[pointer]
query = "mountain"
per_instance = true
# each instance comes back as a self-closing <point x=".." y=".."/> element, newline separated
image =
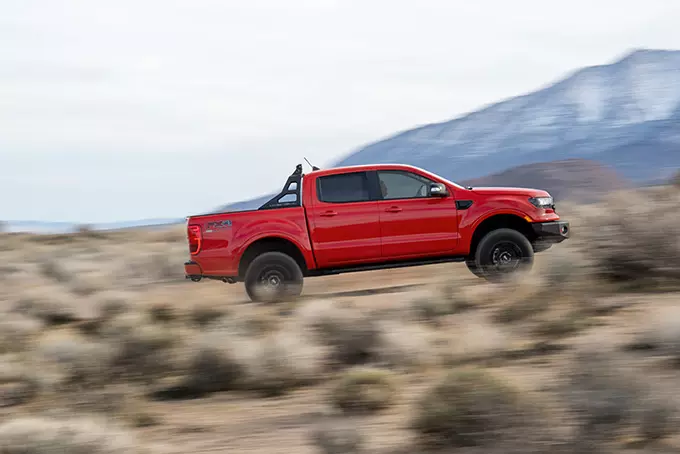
<point x="574" y="179"/>
<point x="625" y="114"/>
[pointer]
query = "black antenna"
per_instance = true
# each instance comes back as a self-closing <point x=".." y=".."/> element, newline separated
<point x="310" y="165"/>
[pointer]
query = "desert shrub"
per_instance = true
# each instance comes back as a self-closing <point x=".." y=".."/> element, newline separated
<point x="32" y="435"/>
<point x="364" y="390"/>
<point x="119" y="403"/>
<point x="404" y="346"/>
<point x="658" y="419"/>
<point x="219" y="362"/>
<point x="165" y="267"/>
<point x="52" y="311"/>
<point x="661" y="332"/>
<point x="250" y="322"/>
<point x="54" y="270"/>
<point x="520" y="310"/>
<point x="112" y="304"/>
<point x="78" y="362"/>
<point x="284" y="361"/>
<point x="561" y="325"/>
<point x="469" y="407"/>
<point x="437" y="302"/>
<point x="18" y="384"/>
<point x="337" y="436"/>
<point x="601" y="398"/>
<point x="17" y="333"/>
<point x="456" y="301"/>
<point x="472" y="338"/>
<point x="144" y="354"/>
<point x="85" y="287"/>
<point x="162" y="312"/>
<point x="523" y="298"/>
<point x="563" y="270"/>
<point x="429" y="309"/>
<point x="636" y="239"/>
<point x="123" y="325"/>
<point x="352" y="334"/>
<point x="606" y="401"/>
<point x="203" y="315"/>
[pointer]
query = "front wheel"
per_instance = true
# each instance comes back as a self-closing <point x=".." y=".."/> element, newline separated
<point x="503" y="253"/>
<point x="272" y="277"/>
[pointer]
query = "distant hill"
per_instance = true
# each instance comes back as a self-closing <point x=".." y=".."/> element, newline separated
<point x="68" y="227"/>
<point x="576" y="179"/>
<point x="625" y="114"/>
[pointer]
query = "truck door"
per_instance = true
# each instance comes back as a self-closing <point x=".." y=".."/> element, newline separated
<point x="414" y="224"/>
<point x="344" y="222"/>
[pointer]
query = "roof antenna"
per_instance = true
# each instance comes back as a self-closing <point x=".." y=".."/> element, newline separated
<point x="310" y="165"/>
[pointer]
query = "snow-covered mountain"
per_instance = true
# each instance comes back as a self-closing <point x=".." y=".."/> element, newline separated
<point x="625" y="114"/>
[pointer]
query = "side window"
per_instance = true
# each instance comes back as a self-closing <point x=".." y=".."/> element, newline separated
<point x="403" y="185"/>
<point x="343" y="188"/>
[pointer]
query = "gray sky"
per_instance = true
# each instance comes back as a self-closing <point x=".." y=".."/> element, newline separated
<point x="127" y="109"/>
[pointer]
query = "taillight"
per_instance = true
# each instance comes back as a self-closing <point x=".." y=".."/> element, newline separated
<point x="194" y="235"/>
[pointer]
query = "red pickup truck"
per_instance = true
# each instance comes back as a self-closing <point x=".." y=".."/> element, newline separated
<point x="370" y="217"/>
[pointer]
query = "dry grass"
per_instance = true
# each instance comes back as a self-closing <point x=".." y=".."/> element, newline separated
<point x="364" y="390"/>
<point x="17" y="333"/>
<point x="636" y="239"/>
<point x="406" y="347"/>
<point x="471" y="407"/>
<point x="65" y="436"/>
<point x="352" y="335"/>
<point x="660" y="332"/>
<point x="103" y="324"/>
<point x="284" y="361"/>
<point x="610" y="401"/>
<point x="337" y="436"/>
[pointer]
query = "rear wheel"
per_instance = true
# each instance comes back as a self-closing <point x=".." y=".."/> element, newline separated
<point x="273" y="276"/>
<point x="472" y="266"/>
<point x="502" y="253"/>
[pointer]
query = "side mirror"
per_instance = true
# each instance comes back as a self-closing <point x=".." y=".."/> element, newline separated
<point x="438" y="190"/>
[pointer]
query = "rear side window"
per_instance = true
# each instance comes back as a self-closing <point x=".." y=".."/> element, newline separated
<point x="343" y="188"/>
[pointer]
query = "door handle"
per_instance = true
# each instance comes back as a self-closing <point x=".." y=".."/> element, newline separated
<point x="329" y="213"/>
<point x="393" y="209"/>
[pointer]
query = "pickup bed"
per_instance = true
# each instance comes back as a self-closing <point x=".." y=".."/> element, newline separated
<point x="370" y="217"/>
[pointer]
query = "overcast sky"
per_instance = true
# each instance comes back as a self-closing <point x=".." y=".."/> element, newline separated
<point x="128" y="109"/>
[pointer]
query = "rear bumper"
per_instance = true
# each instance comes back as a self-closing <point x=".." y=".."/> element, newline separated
<point x="551" y="232"/>
<point x="192" y="270"/>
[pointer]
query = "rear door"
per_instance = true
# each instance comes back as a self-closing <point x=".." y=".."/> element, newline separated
<point x="345" y="227"/>
<point x="414" y="224"/>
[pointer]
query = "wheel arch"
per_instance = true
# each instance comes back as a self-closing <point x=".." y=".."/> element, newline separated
<point x="514" y="221"/>
<point x="271" y="244"/>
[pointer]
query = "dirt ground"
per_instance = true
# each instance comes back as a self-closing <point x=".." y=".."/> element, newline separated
<point x="58" y="297"/>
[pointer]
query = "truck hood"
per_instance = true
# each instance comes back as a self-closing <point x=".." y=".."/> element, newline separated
<point x="528" y="192"/>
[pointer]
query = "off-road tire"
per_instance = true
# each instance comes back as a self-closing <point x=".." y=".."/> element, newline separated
<point x="472" y="266"/>
<point x="266" y="270"/>
<point x="495" y="247"/>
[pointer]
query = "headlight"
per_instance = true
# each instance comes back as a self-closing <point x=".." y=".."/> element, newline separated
<point x="542" y="202"/>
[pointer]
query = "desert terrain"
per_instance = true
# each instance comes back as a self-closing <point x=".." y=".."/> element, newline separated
<point x="105" y="348"/>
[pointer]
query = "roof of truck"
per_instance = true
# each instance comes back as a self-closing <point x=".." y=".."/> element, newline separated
<point x="363" y="168"/>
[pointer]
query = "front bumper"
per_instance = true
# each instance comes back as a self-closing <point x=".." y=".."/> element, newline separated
<point x="551" y="232"/>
